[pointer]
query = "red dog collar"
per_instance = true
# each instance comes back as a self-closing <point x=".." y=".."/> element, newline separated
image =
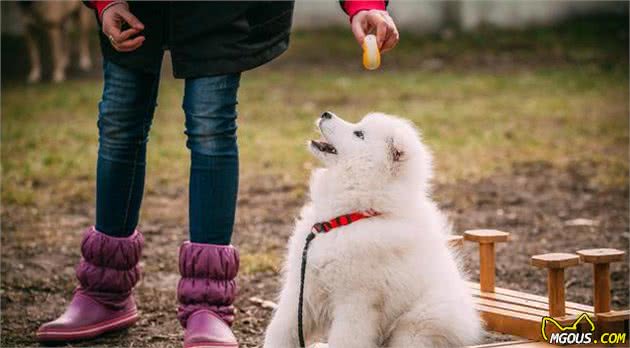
<point x="342" y="220"/>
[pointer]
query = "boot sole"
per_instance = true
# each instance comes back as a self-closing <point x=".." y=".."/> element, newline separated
<point x="90" y="331"/>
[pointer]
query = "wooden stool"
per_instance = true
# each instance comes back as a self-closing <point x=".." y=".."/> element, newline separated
<point x="608" y="320"/>
<point x="601" y="259"/>
<point x="486" y="240"/>
<point x="555" y="264"/>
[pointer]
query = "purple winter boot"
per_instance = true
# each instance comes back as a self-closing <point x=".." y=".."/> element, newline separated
<point x="206" y="292"/>
<point x="103" y="302"/>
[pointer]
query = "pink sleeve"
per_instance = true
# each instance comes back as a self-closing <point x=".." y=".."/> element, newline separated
<point x="352" y="7"/>
<point x="99" y="5"/>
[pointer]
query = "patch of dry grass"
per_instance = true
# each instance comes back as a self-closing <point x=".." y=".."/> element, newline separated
<point x="252" y="263"/>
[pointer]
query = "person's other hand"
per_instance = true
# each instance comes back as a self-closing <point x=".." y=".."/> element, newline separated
<point x="369" y="21"/>
<point x="114" y="19"/>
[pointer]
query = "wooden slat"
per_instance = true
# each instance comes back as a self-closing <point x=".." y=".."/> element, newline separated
<point x="512" y="307"/>
<point x="509" y="322"/>
<point x="522" y="295"/>
<point x="499" y="298"/>
<point x="515" y="323"/>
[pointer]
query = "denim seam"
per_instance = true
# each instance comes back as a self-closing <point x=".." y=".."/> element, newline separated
<point x="135" y="160"/>
<point x="133" y="179"/>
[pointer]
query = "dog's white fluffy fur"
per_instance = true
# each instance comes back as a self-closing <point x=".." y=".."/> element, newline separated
<point x="385" y="281"/>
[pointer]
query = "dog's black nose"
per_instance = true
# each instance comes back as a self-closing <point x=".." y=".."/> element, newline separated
<point x="327" y="115"/>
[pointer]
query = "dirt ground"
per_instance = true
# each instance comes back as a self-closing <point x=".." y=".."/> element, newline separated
<point x="534" y="202"/>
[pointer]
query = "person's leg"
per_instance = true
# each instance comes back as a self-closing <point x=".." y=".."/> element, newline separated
<point x="208" y="264"/>
<point x="110" y="251"/>
<point x="125" y="116"/>
<point x="210" y="107"/>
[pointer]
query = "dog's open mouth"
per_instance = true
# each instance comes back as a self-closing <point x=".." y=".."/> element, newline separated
<point x="323" y="146"/>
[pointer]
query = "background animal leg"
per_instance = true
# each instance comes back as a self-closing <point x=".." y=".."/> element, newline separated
<point x="35" y="73"/>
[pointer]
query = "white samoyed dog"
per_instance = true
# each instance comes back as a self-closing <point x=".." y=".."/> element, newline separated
<point x="384" y="281"/>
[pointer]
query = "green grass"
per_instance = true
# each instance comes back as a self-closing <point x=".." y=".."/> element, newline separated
<point x="252" y="263"/>
<point x="478" y="120"/>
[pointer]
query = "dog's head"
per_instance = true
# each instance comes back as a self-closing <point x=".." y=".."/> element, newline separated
<point x="379" y="154"/>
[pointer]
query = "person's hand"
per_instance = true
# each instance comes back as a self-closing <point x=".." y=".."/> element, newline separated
<point x="369" y="21"/>
<point x="114" y="18"/>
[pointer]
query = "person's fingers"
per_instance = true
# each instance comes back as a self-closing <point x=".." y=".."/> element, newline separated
<point x="391" y="42"/>
<point x="392" y="38"/>
<point x="132" y="20"/>
<point x="111" y="29"/>
<point x="377" y="21"/>
<point x="126" y="49"/>
<point x="129" y="45"/>
<point x="382" y="33"/>
<point x="358" y="29"/>
<point x="126" y="34"/>
<point x="123" y="40"/>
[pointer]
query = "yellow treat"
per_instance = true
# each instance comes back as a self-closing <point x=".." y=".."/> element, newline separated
<point x="371" y="55"/>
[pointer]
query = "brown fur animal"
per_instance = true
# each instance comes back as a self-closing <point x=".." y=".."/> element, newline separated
<point x="55" y="17"/>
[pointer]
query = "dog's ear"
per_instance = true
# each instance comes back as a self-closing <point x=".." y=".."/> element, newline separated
<point x="397" y="155"/>
<point x="396" y="150"/>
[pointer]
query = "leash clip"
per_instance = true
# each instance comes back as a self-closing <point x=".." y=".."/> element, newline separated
<point x="317" y="228"/>
<point x="321" y="227"/>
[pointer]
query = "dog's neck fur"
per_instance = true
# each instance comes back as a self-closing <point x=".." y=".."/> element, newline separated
<point x="334" y="193"/>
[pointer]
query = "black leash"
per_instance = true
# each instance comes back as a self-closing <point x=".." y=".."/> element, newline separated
<point x="309" y="238"/>
<point x="322" y="227"/>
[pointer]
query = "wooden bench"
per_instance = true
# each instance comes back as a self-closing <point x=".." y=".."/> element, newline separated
<point x="519" y="313"/>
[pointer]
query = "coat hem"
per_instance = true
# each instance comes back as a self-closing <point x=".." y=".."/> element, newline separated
<point x="208" y="67"/>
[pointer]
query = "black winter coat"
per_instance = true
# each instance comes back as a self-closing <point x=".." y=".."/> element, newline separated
<point x="206" y="38"/>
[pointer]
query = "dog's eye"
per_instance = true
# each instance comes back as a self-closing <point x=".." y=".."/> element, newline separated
<point x="359" y="134"/>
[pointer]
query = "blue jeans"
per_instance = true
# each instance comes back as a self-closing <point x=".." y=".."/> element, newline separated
<point x="125" y="117"/>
